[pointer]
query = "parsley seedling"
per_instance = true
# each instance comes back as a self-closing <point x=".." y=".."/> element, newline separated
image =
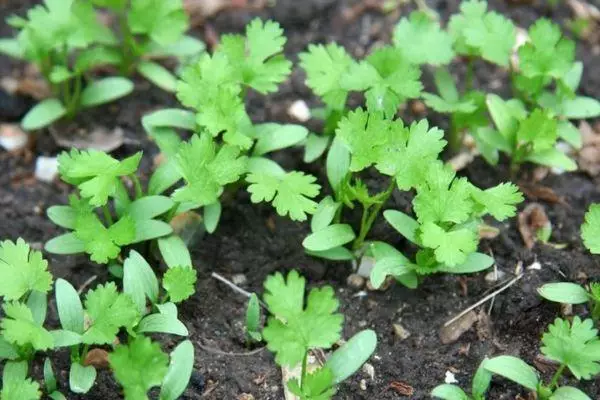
<point x="62" y="39"/>
<point x="298" y="325"/>
<point x="479" y="386"/>
<point x="16" y="384"/>
<point x="227" y="148"/>
<point x="572" y="344"/>
<point x="125" y="221"/>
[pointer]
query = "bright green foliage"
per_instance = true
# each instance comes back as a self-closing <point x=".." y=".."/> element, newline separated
<point x="291" y="193"/>
<point x="206" y="171"/>
<point x="539" y="129"/>
<point x="480" y="33"/>
<point x="590" y="230"/>
<point x="179" y="282"/>
<point x="108" y="311"/>
<point x="101" y="243"/>
<point x="387" y="78"/>
<point x="498" y="201"/>
<point x="449" y="100"/>
<point x="257" y="58"/>
<point x="139" y="366"/>
<point x="22" y="270"/>
<point x="325" y="66"/>
<point x="95" y="172"/>
<point x="422" y="41"/>
<point x="18" y="327"/>
<point x="318" y="385"/>
<point x="575" y="345"/>
<point x="163" y="21"/>
<point x="16" y="385"/>
<point x="548" y="53"/>
<point x="294" y="329"/>
<point x="451" y="247"/>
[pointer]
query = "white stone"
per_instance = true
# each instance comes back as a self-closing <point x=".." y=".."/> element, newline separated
<point x="449" y="379"/>
<point x="12" y="137"/>
<point x="299" y="111"/>
<point x="46" y="168"/>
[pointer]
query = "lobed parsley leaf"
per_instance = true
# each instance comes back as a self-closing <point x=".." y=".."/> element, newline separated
<point x="590" y="230"/>
<point x="163" y="21"/>
<point x="179" y="282"/>
<point x="318" y="385"/>
<point x="22" y="270"/>
<point x="450" y="247"/>
<point x="19" y="327"/>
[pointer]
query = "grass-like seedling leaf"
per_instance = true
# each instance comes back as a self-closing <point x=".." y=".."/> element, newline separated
<point x="43" y="114"/>
<point x="564" y="292"/>
<point x="81" y="378"/>
<point x="514" y="369"/>
<point x="253" y="319"/>
<point x="179" y="372"/>
<point x="349" y="358"/>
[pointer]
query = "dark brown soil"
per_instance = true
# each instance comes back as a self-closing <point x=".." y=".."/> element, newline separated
<point x="252" y="240"/>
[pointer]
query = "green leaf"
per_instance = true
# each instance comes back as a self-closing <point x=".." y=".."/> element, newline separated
<point x="539" y="129"/>
<point x="350" y="357"/>
<point x="11" y="48"/>
<point x="449" y="392"/>
<point x="16" y="385"/>
<point x="422" y="41"/>
<point x="105" y="90"/>
<point x="317" y="385"/>
<point x="404" y="224"/>
<point x="502" y="116"/>
<point x="149" y="229"/>
<point x="337" y="164"/>
<point x="149" y="207"/>
<point x="19" y="328"/>
<point x="172" y="118"/>
<point x="569" y="393"/>
<point x="164" y="22"/>
<point x="180" y="370"/>
<point x="475" y="262"/>
<point x="23" y="270"/>
<point x="158" y="75"/>
<point x="179" y="282"/>
<point x="580" y="108"/>
<point x="389" y="261"/>
<point x="499" y="201"/>
<point x="590" y="230"/>
<point x="570" y="134"/>
<point x="67" y="243"/>
<point x="174" y="251"/>
<point x="451" y="247"/>
<point x="553" y="158"/>
<point x="43" y="114"/>
<point x="262" y="165"/>
<point x="139" y="366"/>
<point x="63" y="216"/>
<point x="294" y="329"/>
<point x="186" y="46"/>
<point x="253" y="318"/>
<point x="325" y="66"/>
<point x="49" y="377"/>
<point x="37" y="302"/>
<point x="324" y="214"/>
<point x="108" y="311"/>
<point x="273" y="137"/>
<point x="206" y="171"/>
<point x="81" y="379"/>
<point x="291" y="194"/>
<point x="64" y="338"/>
<point x="339" y="253"/>
<point x="481" y="381"/>
<point x="162" y="323"/>
<point x="212" y="215"/>
<point x="7" y="350"/>
<point x="314" y="147"/>
<point x="513" y="369"/>
<point x="575" y="344"/>
<point x="329" y="237"/>
<point x="564" y="292"/>
<point x="139" y="281"/>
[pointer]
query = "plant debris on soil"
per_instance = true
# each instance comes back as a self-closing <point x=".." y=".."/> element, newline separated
<point x="252" y="241"/>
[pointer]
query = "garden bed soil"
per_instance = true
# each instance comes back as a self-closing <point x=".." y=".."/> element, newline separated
<point x="252" y="240"/>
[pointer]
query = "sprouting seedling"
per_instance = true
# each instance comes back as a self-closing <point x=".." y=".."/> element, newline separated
<point x="572" y="293"/>
<point x="124" y="220"/>
<point x="228" y="150"/>
<point x="16" y="384"/>
<point x="253" y="319"/>
<point x="52" y="35"/>
<point x="297" y="325"/>
<point x="573" y="345"/>
<point x="139" y="309"/>
<point x="479" y="386"/>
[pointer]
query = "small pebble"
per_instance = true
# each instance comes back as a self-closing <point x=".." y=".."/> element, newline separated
<point x="366" y="266"/>
<point x="494" y="276"/>
<point x="355" y="281"/>
<point x="450" y="378"/>
<point x="363" y="384"/>
<point x="299" y="111"/>
<point x="369" y="370"/>
<point x="12" y="137"/>
<point x="245" y="396"/>
<point x="401" y="332"/>
<point x="239" y="279"/>
<point x="46" y="169"/>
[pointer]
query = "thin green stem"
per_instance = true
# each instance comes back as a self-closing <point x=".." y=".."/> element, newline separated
<point x="470" y="75"/>
<point x="127" y="44"/>
<point x="139" y="193"/>
<point x="107" y="216"/>
<point x="368" y="219"/>
<point x="304" y="368"/>
<point x="556" y="377"/>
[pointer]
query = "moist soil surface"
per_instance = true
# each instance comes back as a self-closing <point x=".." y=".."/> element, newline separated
<point x="253" y="241"/>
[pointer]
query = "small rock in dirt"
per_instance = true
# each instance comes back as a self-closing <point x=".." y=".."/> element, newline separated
<point x="363" y="384"/>
<point x="239" y="279"/>
<point x="366" y="266"/>
<point x="299" y="111"/>
<point x="46" y="168"/>
<point x="97" y="137"/>
<point x="494" y="276"/>
<point x="12" y="137"/>
<point x="451" y="333"/>
<point x="535" y="266"/>
<point x="245" y="396"/>
<point x="450" y="378"/>
<point x="362" y="323"/>
<point x="369" y="370"/>
<point x="566" y="310"/>
<point x="355" y="281"/>
<point x="384" y="286"/>
<point x="401" y="332"/>
<point x="97" y="358"/>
